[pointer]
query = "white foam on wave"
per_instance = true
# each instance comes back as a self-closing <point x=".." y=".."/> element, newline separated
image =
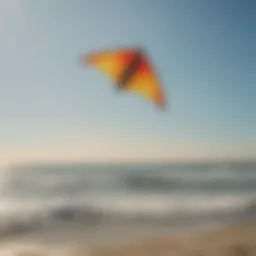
<point x="169" y="205"/>
<point x="125" y="205"/>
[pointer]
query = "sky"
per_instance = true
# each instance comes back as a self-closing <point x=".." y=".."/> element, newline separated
<point x="52" y="109"/>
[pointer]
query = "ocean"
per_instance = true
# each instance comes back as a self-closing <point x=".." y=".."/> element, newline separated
<point x="101" y="203"/>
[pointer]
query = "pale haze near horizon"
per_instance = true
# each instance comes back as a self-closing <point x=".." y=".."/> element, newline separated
<point x="54" y="110"/>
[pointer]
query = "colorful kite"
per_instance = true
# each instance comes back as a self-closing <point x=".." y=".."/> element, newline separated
<point x="131" y="70"/>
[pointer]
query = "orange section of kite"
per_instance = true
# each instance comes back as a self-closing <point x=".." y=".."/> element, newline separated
<point x="130" y="70"/>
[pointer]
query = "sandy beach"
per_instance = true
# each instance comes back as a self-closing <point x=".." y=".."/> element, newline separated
<point x="237" y="240"/>
<point x="232" y="241"/>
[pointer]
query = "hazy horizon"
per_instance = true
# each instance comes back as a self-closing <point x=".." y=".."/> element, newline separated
<point x="139" y="162"/>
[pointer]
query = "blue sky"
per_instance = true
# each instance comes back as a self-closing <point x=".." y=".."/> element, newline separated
<point x="52" y="109"/>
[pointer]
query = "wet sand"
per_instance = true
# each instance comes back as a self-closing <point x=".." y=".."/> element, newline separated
<point x="238" y="240"/>
<point x="233" y="241"/>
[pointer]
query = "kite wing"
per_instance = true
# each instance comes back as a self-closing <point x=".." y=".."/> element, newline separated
<point x="131" y="71"/>
<point x="111" y="62"/>
<point x="146" y="83"/>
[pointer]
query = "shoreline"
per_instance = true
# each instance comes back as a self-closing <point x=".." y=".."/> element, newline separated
<point x="232" y="240"/>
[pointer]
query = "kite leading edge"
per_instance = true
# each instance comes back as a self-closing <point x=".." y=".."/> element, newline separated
<point x="131" y="71"/>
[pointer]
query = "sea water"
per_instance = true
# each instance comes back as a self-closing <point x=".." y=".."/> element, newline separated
<point x="93" y="203"/>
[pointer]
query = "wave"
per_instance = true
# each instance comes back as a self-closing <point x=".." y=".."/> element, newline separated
<point x="39" y="198"/>
<point x="49" y="182"/>
<point x="28" y="215"/>
<point x="174" y="181"/>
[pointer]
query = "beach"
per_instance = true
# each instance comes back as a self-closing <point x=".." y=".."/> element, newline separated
<point x="232" y="241"/>
<point x="236" y="240"/>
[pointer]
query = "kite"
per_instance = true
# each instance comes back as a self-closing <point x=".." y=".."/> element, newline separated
<point x="131" y="70"/>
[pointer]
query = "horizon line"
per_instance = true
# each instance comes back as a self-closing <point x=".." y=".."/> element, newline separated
<point x="138" y="161"/>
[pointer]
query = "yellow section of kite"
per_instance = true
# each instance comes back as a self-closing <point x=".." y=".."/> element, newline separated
<point x="130" y="70"/>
